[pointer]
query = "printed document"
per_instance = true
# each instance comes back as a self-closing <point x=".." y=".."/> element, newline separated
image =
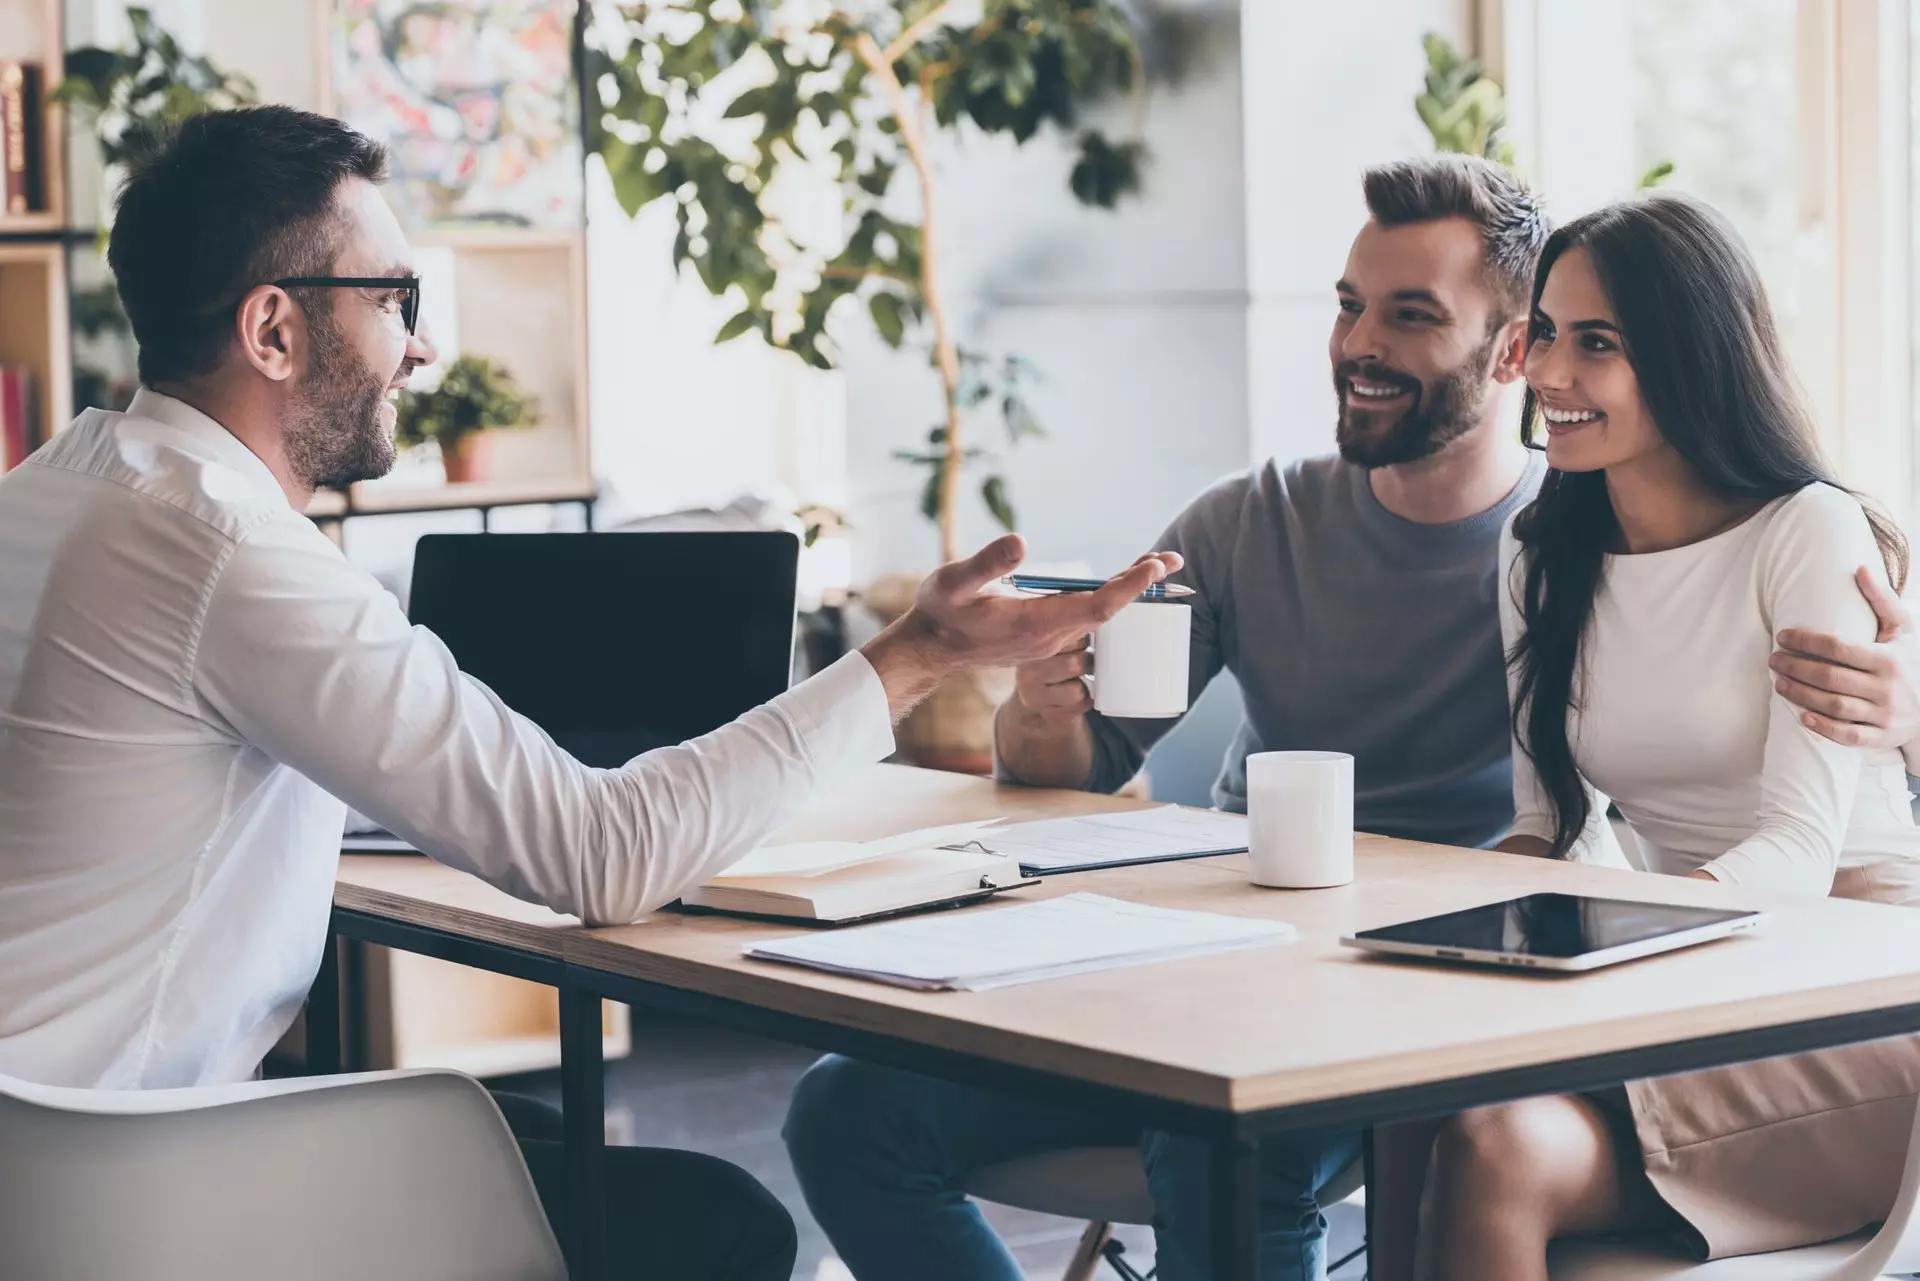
<point x="988" y="948"/>
<point x="1115" y="840"/>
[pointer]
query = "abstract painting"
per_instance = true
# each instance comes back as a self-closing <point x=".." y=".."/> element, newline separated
<point x="476" y="101"/>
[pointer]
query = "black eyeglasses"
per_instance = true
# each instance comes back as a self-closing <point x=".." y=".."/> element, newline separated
<point x="409" y="287"/>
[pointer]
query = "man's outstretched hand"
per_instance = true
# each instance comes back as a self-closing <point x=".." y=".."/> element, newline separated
<point x="1860" y="695"/>
<point x="961" y="619"/>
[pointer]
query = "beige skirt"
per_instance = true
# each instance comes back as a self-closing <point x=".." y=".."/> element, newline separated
<point x="1790" y="1151"/>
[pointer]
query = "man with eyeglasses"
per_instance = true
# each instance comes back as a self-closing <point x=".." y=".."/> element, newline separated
<point x="194" y="683"/>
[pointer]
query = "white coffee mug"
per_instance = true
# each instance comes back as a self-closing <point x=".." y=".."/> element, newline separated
<point x="1300" y="815"/>
<point x="1140" y="661"/>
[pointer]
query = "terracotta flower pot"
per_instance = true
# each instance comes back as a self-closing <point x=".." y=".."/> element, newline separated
<point x="466" y="457"/>
<point x="953" y="728"/>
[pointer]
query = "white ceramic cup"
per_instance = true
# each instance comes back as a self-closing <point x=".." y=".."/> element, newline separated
<point x="1300" y="814"/>
<point x="1140" y="660"/>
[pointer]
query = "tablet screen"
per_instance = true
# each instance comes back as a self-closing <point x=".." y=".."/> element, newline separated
<point x="1557" y="925"/>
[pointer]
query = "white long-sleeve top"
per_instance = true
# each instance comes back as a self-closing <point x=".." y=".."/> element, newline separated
<point x="194" y="684"/>
<point x="1676" y="718"/>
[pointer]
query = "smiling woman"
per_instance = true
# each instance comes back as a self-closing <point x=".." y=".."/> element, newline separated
<point x="1631" y="305"/>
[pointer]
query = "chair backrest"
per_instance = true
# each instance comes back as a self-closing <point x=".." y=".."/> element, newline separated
<point x="392" y="1176"/>
<point x="1896" y="1247"/>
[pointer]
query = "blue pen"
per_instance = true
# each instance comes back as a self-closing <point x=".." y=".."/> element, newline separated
<point x="1041" y="583"/>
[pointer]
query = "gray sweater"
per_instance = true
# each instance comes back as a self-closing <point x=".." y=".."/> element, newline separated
<point x="1349" y="629"/>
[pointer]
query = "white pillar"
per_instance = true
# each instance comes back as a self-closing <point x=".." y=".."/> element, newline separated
<point x="1329" y="90"/>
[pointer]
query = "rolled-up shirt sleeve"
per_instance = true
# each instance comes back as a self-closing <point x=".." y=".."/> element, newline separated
<point x="309" y="660"/>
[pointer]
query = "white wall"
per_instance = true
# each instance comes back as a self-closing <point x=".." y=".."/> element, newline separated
<point x="677" y="421"/>
<point x="1329" y="91"/>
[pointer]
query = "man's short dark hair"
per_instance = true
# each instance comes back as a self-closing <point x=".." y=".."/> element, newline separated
<point x="217" y="205"/>
<point x="1512" y="224"/>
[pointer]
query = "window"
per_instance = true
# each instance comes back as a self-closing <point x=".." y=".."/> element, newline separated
<point x="1713" y="95"/>
<point x="1795" y="118"/>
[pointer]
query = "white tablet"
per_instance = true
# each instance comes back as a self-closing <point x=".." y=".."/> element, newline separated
<point x="1566" y="932"/>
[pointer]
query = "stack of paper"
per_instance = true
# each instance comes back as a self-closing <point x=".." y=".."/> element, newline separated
<point x="1117" y="840"/>
<point x="974" y="951"/>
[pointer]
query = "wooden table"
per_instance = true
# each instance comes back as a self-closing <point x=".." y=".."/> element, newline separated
<point x="1229" y="1047"/>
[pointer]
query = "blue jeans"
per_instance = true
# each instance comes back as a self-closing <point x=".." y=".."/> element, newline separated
<point x="883" y="1157"/>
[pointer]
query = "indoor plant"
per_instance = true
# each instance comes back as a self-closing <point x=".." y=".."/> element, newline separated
<point x="726" y="107"/>
<point x="475" y="395"/>
<point x="1465" y="110"/>
<point x="127" y="92"/>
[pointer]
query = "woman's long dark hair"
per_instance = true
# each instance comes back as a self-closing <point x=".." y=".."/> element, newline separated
<point x="1697" y="329"/>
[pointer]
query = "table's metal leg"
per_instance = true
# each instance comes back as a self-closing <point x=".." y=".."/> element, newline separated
<point x="1236" y="1209"/>
<point x="583" y="1100"/>
<point x="323" y="1013"/>
<point x="355" y="1054"/>
<point x="1366" y="1223"/>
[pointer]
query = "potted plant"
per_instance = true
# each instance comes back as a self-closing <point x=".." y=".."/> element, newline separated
<point x="720" y="105"/>
<point x="475" y="395"/>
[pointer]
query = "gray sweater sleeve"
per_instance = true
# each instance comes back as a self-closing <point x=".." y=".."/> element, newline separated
<point x="1203" y="535"/>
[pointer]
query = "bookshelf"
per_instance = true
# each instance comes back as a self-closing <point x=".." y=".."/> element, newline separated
<point x="30" y="31"/>
<point x="422" y="1012"/>
<point x="34" y="331"/>
<point x="33" y="326"/>
<point x="418" y="1012"/>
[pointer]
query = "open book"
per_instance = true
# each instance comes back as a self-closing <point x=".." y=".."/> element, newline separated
<point x="831" y="882"/>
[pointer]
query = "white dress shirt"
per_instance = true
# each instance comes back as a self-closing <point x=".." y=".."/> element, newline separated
<point x="1677" y="720"/>
<point x="194" y="684"/>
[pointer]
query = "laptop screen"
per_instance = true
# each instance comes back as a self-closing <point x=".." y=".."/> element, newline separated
<point x="615" y="644"/>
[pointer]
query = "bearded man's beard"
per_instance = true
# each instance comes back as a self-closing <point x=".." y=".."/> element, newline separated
<point x="335" y="435"/>
<point x="1440" y="414"/>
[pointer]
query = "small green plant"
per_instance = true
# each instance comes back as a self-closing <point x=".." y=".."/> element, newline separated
<point x="1462" y="107"/>
<point x="154" y="84"/>
<point x="474" y="394"/>
<point x="1465" y="110"/>
<point x="985" y="386"/>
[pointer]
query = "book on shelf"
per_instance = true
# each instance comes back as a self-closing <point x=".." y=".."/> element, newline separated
<point x="22" y="189"/>
<point x="18" y="435"/>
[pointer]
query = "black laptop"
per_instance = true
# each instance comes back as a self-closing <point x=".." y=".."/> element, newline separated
<point x="614" y="644"/>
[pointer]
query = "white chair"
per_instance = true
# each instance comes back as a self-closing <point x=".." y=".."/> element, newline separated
<point x="1892" y="1250"/>
<point x="387" y="1176"/>
<point x="1102" y="1185"/>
